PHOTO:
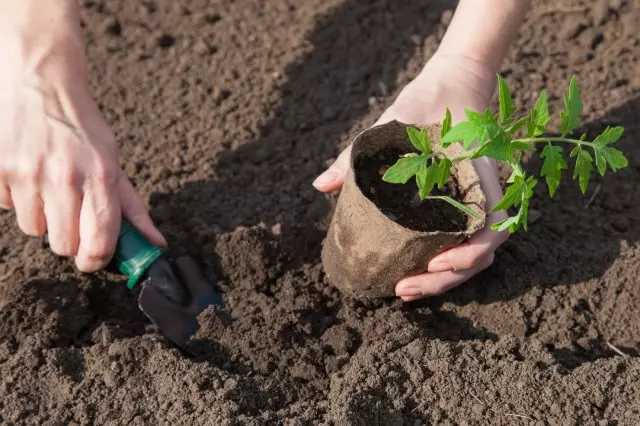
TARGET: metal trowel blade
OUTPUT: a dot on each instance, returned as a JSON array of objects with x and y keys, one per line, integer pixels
[{"x": 172, "y": 298}]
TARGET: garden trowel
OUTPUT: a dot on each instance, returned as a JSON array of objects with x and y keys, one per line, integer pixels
[{"x": 172, "y": 295}]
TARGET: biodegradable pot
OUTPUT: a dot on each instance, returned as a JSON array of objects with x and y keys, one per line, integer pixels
[{"x": 365, "y": 252}]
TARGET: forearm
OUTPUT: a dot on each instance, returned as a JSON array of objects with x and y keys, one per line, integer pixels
[
  {"x": 482, "y": 30},
  {"x": 37, "y": 29}
]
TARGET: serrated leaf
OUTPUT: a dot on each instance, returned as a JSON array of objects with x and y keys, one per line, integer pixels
[
  {"x": 419, "y": 139},
  {"x": 508, "y": 223},
  {"x": 539, "y": 117},
  {"x": 522, "y": 146},
  {"x": 517, "y": 169},
  {"x": 552, "y": 166},
  {"x": 478, "y": 127},
  {"x": 570, "y": 117},
  {"x": 427, "y": 179},
  {"x": 608, "y": 155},
  {"x": 506, "y": 103},
  {"x": 512, "y": 196},
  {"x": 609, "y": 135},
  {"x": 404, "y": 169},
  {"x": 444, "y": 171},
  {"x": 498, "y": 147},
  {"x": 464, "y": 132},
  {"x": 583, "y": 167},
  {"x": 525, "y": 192},
  {"x": 456, "y": 204},
  {"x": 517, "y": 125},
  {"x": 446, "y": 123}
]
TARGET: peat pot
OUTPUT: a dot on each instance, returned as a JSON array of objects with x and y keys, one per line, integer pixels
[{"x": 382, "y": 232}]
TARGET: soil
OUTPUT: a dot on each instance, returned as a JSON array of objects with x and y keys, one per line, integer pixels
[
  {"x": 225, "y": 111},
  {"x": 401, "y": 202}
]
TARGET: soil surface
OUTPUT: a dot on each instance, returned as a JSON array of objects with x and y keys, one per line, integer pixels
[
  {"x": 401, "y": 202},
  {"x": 225, "y": 111}
]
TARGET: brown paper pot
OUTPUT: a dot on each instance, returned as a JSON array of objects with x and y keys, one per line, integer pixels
[{"x": 365, "y": 252}]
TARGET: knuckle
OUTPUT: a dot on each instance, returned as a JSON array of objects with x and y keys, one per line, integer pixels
[
  {"x": 29, "y": 173},
  {"x": 64, "y": 176},
  {"x": 104, "y": 172}
]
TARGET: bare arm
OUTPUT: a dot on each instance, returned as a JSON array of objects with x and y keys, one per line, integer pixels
[{"x": 482, "y": 30}]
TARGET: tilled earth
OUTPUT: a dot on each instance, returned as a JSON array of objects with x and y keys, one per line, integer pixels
[{"x": 225, "y": 111}]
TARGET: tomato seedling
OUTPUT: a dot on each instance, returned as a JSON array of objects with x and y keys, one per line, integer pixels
[{"x": 503, "y": 137}]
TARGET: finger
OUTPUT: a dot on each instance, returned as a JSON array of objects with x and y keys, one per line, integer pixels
[
  {"x": 5, "y": 198},
  {"x": 470, "y": 254},
  {"x": 436, "y": 283},
  {"x": 99, "y": 226},
  {"x": 333, "y": 178},
  {"x": 29, "y": 210},
  {"x": 134, "y": 210},
  {"x": 62, "y": 212}
]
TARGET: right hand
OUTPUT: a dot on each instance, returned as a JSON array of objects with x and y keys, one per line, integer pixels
[
  {"x": 59, "y": 166},
  {"x": 447, "y": 81}
]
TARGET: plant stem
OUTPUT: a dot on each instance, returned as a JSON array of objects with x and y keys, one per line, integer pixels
[
  {"x": 532, "y": 141},
  {"x": 554, "y": 139}
]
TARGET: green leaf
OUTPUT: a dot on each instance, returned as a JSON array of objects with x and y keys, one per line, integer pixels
[
  {"x": 583, "y": 167},
  {"x": 522, "y": 146},
  {"x": 517, "y": 169},
  {"x": 512, "y": 196},
  {"x": 508, "y": 223},
  {"x": 611, "y": 156},
  {"x": 446, "y": 123},
  {"x": 498, "y": 147},
  {"x": 539, "y": 117},
  {"x": 609, "y": 135},
  {"x": 520, "y": 195},
  {"x": 552, "y": 166},
  {"x": 506, "y": 104},
  {"x": 456, "y": 204},
  {"x": 436, "y": 174},
  {"x": 570, "y": 118},
  {"x": 478, "y": 127},
  {"x": 606, "y": 154},
  {"x": 444, "y": 171},
  {"x": 517, "y": 125},
  {"x": 419, "y": 139},
  {"x": 404, "y": 169}
]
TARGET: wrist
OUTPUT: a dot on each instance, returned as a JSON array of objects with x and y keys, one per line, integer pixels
[
  {"x": 38, "y": 35},
  {"x": 455, "y": 72}
]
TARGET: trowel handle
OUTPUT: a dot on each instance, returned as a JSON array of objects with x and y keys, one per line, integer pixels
[{"x": 134, "y": 254}]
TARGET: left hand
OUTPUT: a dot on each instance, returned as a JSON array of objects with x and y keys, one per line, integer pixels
[{"x": 458, "y": 83}]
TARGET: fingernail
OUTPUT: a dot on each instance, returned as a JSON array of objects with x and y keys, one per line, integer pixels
[
  {"x": 439, "y": 266},
  {"x": 326, "y": 178},
  {"x": 406, "y": 289},
  {"x": 410, "y": 298}
]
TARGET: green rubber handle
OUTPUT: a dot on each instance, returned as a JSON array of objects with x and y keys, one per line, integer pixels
[{"x": 134, "y": 254}]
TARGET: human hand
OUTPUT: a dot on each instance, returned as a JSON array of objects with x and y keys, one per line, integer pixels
[
  {"x": 458, "y": 83},
  {"x": 59, "y": 166}
]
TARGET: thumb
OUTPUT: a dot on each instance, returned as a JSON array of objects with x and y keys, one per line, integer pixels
[
  {"x": 333, "y": 178},
  {"x": 134, "y": 210}
]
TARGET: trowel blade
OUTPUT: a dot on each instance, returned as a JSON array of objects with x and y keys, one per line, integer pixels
[{"x": 176, "y": 317}]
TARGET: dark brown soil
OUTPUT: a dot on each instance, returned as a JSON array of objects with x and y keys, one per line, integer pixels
[
  {"x": 225, "y": 112},
  {"x": 401, "y": 202}
]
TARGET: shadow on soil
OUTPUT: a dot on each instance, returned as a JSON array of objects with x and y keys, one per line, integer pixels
[{"x": 359, "y": 49}]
